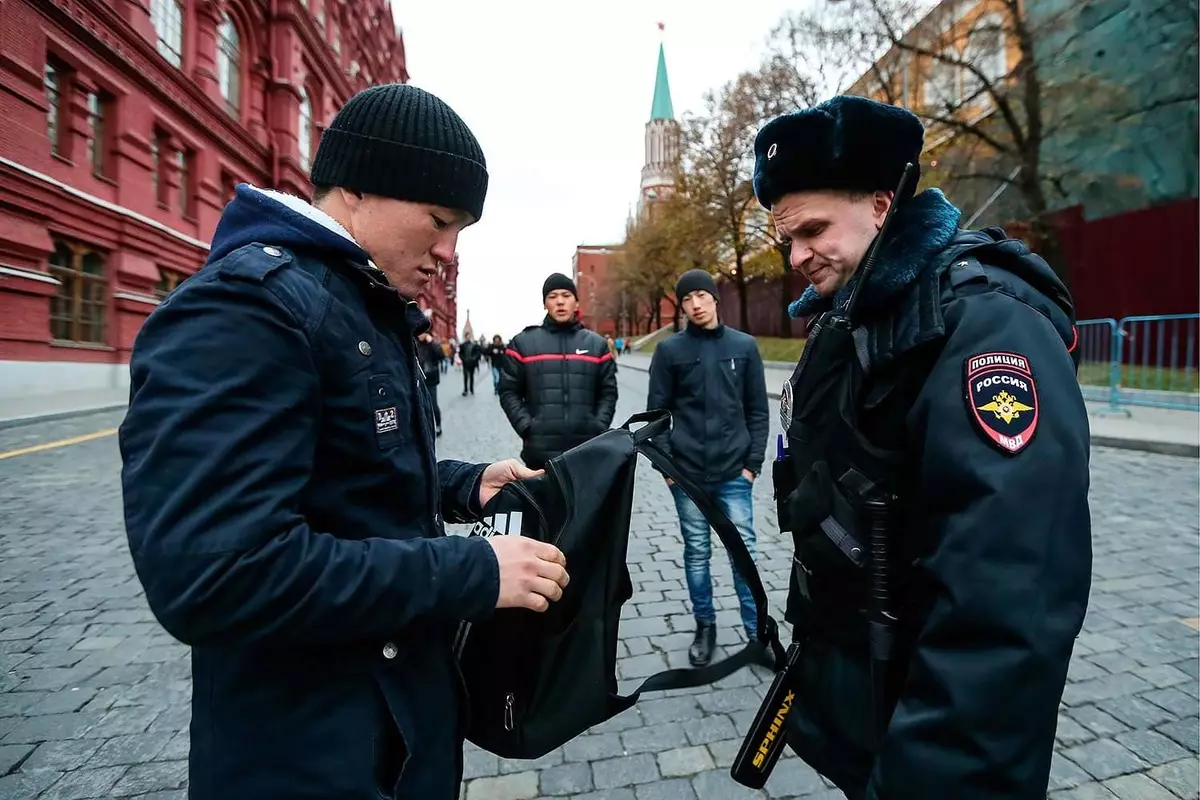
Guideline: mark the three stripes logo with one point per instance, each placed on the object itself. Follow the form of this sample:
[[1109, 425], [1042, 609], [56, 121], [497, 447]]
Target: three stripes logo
[[498, 524]]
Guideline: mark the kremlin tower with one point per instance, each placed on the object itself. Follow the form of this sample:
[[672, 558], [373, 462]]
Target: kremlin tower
[[662, 141]]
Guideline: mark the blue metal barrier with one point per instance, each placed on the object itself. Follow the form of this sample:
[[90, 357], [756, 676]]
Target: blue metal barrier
[[1154, 363], [1141, 361], [1097, 350]]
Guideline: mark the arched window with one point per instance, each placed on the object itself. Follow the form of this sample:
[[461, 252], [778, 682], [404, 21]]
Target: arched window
[[229, 65], [167, 17], [304, 129]]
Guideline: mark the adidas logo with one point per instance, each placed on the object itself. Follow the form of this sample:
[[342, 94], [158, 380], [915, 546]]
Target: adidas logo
[[498, 524]]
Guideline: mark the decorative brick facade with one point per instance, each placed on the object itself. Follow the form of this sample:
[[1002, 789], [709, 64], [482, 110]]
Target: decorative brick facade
[[124, 126]]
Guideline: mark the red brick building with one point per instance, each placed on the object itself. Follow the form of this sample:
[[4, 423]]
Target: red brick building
[[124, 126]]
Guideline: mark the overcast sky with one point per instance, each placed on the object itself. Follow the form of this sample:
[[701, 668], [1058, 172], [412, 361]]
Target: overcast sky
[[558, 94]]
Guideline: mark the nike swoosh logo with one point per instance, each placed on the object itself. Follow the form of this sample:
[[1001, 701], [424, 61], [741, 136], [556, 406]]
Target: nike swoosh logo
[[580, 352]]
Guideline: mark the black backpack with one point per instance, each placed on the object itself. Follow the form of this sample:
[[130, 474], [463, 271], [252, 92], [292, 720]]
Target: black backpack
[[536, 681]]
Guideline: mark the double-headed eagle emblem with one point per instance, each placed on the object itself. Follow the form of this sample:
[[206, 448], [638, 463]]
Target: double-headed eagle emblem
[[1005, 407]]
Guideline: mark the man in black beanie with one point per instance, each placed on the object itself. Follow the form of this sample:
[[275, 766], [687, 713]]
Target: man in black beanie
[[558, 382], [936, 475], [283, 504], [710, 377]]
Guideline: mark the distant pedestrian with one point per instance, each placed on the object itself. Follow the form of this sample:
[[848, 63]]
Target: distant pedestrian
[[283, 505], [495, 356], [470, 353], [710, 377], [620, 345], [558, 386], [429, 355]]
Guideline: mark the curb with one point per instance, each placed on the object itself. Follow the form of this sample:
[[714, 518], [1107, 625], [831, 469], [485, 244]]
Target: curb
[[1115, 442], [32, 419]]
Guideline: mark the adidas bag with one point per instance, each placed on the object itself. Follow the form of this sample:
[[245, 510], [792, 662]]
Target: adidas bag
[[537, 680]]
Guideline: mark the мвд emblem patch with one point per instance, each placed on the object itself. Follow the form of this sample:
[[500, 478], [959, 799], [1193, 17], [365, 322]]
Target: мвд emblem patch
[[1002, 399]]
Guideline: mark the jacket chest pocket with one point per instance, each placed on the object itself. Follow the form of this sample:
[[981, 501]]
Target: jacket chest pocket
[[390, 411], [733, 371]]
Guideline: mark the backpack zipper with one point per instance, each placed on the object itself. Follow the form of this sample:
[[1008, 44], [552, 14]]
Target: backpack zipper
[[508, 711]]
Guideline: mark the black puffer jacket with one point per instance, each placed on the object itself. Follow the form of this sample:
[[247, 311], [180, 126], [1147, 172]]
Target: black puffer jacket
[[558, 387]]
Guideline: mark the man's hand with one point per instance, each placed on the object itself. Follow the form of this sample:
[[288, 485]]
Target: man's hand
[[748, 475], [503, 472], [533, 574]]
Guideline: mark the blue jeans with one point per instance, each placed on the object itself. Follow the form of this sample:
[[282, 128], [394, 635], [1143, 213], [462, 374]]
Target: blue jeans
[[735, 499], [496, 380]]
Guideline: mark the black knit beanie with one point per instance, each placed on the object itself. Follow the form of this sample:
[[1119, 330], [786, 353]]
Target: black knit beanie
[[559, 281], [403, 142], [694, 280]]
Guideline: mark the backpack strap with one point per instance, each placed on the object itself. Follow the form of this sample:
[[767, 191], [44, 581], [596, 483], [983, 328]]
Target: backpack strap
[[768, 630]]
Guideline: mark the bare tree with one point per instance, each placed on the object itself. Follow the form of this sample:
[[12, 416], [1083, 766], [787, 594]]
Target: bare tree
[[718, 163], [978, 74]]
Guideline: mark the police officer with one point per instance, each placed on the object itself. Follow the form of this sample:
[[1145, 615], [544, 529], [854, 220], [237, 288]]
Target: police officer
[[953, 479]]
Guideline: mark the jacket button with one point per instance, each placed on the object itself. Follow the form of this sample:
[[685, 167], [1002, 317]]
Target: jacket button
[[389, 651], [364, 348], [273, 252]]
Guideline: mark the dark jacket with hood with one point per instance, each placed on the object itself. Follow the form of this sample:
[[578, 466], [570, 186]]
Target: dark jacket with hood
[[558, 387], [713, 384], [285, 514], [991, 542]]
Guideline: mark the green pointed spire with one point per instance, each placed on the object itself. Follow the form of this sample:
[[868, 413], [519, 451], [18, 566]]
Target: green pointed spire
[[662, 108]]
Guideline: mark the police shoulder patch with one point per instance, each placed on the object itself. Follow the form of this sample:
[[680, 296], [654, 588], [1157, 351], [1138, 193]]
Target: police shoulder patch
[[1002, 398]]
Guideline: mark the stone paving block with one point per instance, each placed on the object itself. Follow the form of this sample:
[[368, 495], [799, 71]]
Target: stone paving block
[[1104, 688], [1137, 787], [1089, 791], [1151, 747], [1071, 732], [84, 783], [13, 754], [152, 777], [61, 702], [724, 701], [670, 709], [794, 778], [674, 789], [624, 771], [1182, 777], [1104, 759], [1135, 712], [718, 785], [565, 780], [713, 728], [654, 738], [684, 761], [517, 786], [132, 749], [1184, 731], [1172, 700], [50, 726], [593, 746], [27, 784], [1161, 676], [1097, 721], [1065, 773]]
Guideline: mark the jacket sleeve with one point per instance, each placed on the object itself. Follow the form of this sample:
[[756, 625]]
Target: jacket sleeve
[[1008, 562], [756, 409], [661, 393], [460, 484], [512, 391], [606, 394], [217, 446]]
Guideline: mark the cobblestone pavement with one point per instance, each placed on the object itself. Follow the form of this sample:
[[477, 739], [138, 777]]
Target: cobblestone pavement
[[94, 694]]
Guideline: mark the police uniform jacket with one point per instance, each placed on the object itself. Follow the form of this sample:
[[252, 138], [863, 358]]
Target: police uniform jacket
[[971, 378], [285, 514]]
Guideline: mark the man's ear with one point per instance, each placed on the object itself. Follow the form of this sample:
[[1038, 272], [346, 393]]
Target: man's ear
[[880, 203]]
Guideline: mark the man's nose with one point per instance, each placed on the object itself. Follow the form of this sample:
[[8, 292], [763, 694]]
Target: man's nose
[[799, 256]]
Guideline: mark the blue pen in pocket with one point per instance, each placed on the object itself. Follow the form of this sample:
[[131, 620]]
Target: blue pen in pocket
[[783, 479]]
